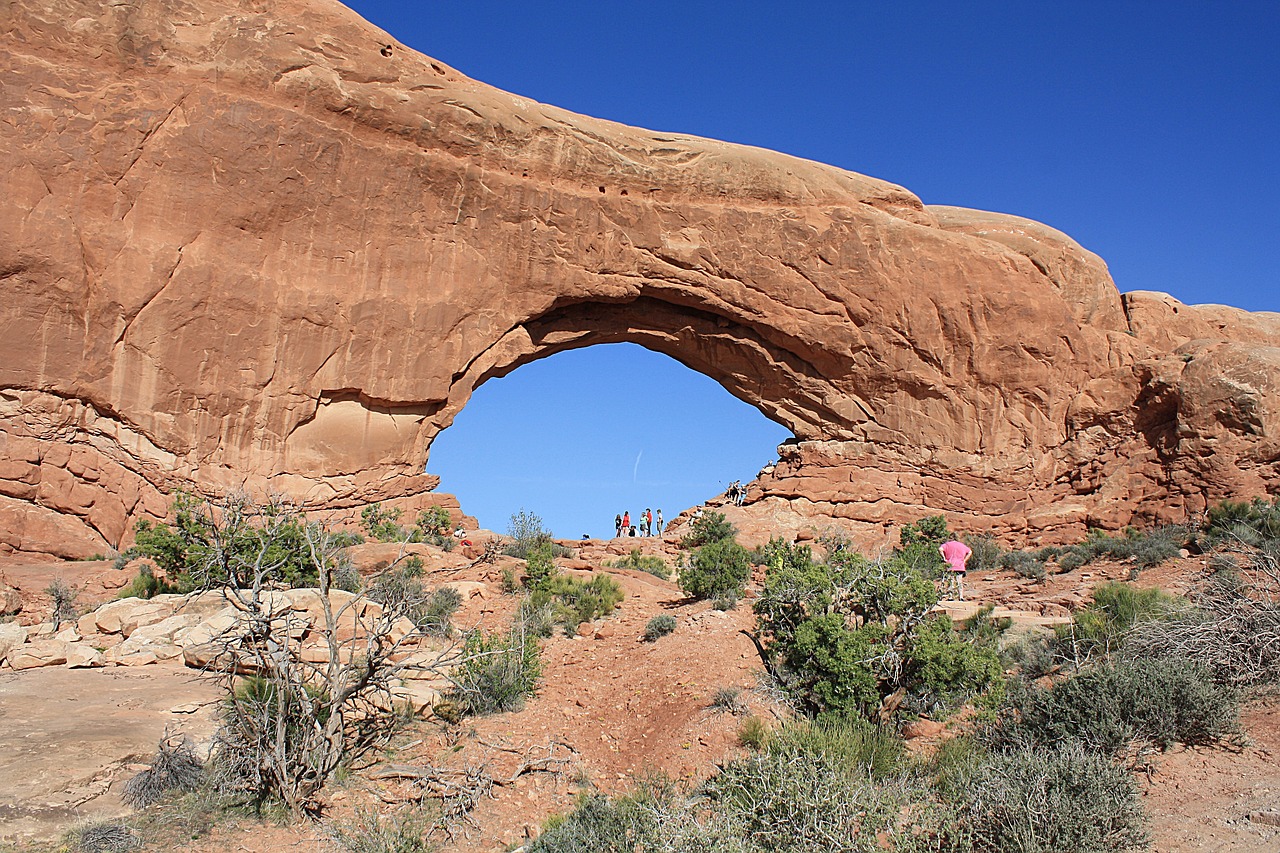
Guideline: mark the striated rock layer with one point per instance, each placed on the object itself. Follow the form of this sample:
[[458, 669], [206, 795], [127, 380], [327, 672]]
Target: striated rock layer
[[262, 245]]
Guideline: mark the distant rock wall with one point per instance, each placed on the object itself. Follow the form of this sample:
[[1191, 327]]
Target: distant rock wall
[[265, 246]]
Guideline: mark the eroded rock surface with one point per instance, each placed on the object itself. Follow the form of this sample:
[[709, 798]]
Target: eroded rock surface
[[265, 246]]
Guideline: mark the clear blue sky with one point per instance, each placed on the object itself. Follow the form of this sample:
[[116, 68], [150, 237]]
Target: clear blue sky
[[1148, 131]]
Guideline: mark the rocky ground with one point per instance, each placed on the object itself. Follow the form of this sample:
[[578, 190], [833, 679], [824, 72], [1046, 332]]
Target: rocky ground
[[610, 708]]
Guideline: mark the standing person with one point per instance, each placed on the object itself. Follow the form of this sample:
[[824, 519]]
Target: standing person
[[646, 522], [957, 555], [626, 521], [617, 526], [659, 522]]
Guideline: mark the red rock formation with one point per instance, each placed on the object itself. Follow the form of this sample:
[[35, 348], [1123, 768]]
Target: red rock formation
[[245, 245]]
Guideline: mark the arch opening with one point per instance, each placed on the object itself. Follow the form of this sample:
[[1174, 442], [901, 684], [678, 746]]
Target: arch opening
[[583, 434]]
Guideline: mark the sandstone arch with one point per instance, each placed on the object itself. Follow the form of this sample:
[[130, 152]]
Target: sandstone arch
[[244, 246]]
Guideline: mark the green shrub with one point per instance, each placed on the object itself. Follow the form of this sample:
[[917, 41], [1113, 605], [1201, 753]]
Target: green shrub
[[753, 733], [919, 543], [652, 817], [986, 553], [497, 673], [400, 587], [659, 626], [432, 523], [145, 584], [844, 636], [566, 600], [1071, 560], [1116, 609], [1025, 564], [1108, 707], [719, 568], [207, 546], [526, 532], [804, 802], [539, 567], [1254, 523], [853, 744], [710, 527], [655, 566], [436, 613], [383, 525], [1062, 798]]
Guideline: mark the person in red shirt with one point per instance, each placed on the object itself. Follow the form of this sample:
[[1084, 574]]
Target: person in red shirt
[[957, 555]]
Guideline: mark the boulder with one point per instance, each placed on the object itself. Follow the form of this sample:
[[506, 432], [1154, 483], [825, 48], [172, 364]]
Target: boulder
[[83, 656], [37, 654], [12, 635]]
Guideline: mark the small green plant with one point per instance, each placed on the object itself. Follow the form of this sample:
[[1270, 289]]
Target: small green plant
[[659, 626], [718, 569], [637, 561], [510, 583], [753, 733], [436, 613], [569, 601], [145, 585]]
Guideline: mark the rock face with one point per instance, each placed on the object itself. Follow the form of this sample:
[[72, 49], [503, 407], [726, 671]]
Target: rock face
[[265, 246]]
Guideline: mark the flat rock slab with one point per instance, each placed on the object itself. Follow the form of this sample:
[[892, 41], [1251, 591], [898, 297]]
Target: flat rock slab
[[68, 736]]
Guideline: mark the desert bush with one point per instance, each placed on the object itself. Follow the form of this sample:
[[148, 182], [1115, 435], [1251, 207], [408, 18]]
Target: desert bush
[[367, 831], [1253, 523], [1108, 707], [652, 817], [637, 561], [717, 569], [435, 616], [708, 528], [63, 597], [805, 802], [110, 836], [432, 523], [729, 699], [400, 586], [1149, 548], [986, 553], [944, 668], [1233, 631], [209, 543], [850, 743], [1025, 564], [526, 532], [568, 601], [174, 768], [145, 584], [539, 566], [918, 544], [753, 733], [1061, 798], [498, 672], [345, 575], [1103, 626], [659, 626]]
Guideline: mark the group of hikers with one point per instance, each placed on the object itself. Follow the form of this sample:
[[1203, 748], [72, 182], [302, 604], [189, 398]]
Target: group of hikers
[[737, 493], [622, 525]]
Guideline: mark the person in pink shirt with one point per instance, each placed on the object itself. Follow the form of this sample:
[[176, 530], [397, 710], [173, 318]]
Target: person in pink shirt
[[956, 553]]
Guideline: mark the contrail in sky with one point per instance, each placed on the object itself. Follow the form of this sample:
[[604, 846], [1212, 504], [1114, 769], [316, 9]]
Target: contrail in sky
[[635, 468]]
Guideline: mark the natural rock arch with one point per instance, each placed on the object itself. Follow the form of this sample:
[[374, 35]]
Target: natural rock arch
[[247, 248]]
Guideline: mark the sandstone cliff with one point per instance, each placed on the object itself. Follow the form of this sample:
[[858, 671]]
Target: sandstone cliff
[[263, 245]]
